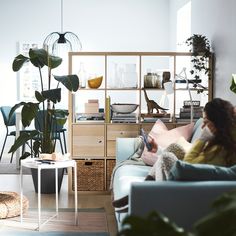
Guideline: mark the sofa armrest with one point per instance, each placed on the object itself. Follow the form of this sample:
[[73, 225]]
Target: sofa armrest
[[182, 202], [125, 147]]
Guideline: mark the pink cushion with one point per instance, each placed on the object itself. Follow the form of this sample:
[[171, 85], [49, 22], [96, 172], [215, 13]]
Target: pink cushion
[[164, 138]]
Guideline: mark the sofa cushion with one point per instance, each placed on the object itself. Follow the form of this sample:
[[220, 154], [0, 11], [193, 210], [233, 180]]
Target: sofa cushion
[[184, 144], [200, 172], [164, 138], [197, 129], [125, 175]]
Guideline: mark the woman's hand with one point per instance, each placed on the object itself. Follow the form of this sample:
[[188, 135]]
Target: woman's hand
[[206, 134], [153, 144]]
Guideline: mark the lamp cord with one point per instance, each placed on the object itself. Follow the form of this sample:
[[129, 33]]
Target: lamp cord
[[61, 16]]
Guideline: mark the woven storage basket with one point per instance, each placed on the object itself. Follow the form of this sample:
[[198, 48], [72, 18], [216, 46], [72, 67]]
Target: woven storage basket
[[90, 175], [110, 166], [10, 204]]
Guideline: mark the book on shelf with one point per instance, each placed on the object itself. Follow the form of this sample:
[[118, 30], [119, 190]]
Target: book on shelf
[[188, 115], [154, 119], [124, 121], [151, 118], [126, 118], [188, 109], [108, 109], [90, 116], [185, 120]]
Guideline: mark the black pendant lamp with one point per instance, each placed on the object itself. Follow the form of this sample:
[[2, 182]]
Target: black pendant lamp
[[67, 41]]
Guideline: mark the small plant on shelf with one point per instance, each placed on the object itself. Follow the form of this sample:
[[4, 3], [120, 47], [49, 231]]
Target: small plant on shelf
[[200, 48]]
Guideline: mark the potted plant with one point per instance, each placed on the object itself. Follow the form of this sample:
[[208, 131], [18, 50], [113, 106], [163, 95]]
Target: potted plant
[[45, 101], [200, 48]]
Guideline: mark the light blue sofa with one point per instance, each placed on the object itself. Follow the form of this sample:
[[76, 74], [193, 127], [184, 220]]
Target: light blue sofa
[[183, 202]]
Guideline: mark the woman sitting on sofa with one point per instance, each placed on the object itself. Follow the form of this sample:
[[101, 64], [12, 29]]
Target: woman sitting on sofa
[[216, 144]]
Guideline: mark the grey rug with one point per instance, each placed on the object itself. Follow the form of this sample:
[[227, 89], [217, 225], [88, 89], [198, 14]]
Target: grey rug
[[92, 222]]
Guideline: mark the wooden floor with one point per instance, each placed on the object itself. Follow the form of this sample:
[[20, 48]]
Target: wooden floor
[[85, 200]]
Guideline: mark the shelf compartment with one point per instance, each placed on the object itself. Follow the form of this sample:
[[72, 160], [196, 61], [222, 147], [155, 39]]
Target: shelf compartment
[[90, 175]]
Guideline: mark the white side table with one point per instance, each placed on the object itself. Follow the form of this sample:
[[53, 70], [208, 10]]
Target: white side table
[[32, 163]]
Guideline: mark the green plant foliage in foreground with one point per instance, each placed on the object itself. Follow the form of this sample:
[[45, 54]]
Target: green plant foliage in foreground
[[221, 221], [155, 224], [233, 83]]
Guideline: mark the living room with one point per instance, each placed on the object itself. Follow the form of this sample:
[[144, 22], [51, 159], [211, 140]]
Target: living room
[[117, 26]]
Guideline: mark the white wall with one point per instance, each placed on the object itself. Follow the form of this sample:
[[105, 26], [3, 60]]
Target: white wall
[[102, 25], [175, 7], [216, 19]]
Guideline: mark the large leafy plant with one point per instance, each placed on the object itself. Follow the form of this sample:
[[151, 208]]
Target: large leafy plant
[[45, 100]]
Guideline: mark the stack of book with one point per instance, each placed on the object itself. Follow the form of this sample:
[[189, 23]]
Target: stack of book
[[185, 112], [151, 118], [124, 118], [90, 116]]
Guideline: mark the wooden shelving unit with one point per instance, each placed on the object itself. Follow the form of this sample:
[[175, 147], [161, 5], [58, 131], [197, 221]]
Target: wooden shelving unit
[[94, 140]]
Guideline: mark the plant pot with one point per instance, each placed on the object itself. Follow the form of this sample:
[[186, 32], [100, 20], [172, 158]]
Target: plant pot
[[47, 180], [199, 46]]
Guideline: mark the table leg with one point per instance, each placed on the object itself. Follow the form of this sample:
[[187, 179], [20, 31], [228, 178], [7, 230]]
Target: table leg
[[76, 198], [39, 196], [21, 195], [18, 118], [56, 187]]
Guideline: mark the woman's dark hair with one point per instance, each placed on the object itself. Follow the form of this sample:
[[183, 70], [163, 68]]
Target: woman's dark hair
[[222, 114]]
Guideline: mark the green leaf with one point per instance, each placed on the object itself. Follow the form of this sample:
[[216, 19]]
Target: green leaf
[[29, 112], [22, 139], [154, 224], [233, 83], [18, 62], [221, 221], [36, 147], [53, 61], [71, 82], [60, 116], [25, 155], [14, 108], [39, 96], [53, 95], [38, 57]]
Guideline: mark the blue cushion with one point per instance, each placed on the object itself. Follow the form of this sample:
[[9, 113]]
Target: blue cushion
[[199, 172], [197, 129]]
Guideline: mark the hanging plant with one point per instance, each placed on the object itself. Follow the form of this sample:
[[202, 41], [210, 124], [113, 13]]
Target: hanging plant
[[200, 48]]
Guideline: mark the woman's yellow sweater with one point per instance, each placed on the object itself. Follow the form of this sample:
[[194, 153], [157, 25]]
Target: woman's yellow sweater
[[215, 155]]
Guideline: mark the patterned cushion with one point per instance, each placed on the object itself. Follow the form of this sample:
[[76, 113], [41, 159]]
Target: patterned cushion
[[164, 138]]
